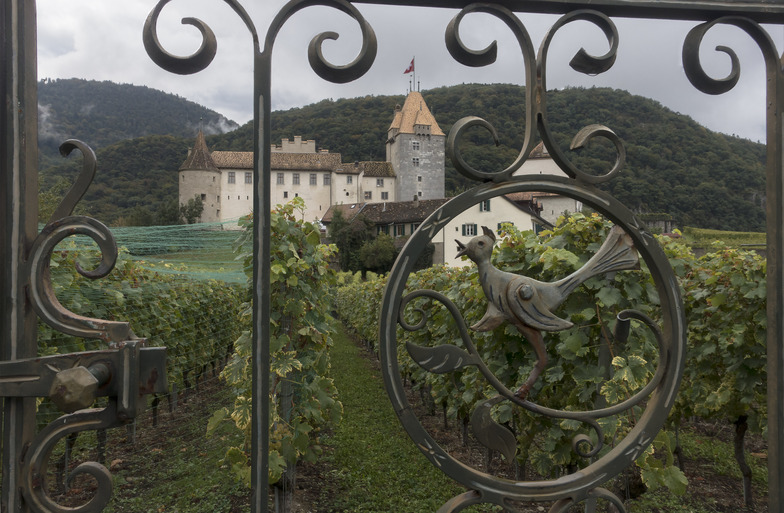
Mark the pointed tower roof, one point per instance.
(199, 158)
(414, 112)
(539, 152)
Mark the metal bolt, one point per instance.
(526, 292)
(74, 389)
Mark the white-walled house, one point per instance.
(553, 205)
(400, 220)
(468, 224)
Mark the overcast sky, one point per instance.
(101, 40)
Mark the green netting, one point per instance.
(197, 251)
(193, 251)
(180, 286)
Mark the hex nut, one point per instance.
(73, 389)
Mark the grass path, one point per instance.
(378, 468)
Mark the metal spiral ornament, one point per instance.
(36, 462)
(411, 310)
(73, 381)
(476, 58)
(656, 396)
(692, 65)
(535, 72)
(44, 300)
(201, 58)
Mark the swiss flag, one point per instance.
(410, 68)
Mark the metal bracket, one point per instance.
(73, 381)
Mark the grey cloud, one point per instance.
(649, 62)
(46, 128)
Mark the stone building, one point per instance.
(415, 146)
(414, 169)
(411, 178)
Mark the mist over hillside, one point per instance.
(104, 113)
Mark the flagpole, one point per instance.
(411, 69)
(413, 61)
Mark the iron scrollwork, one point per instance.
(261, 178)
(124, 372)
(655, 398)
(528, 304)
(658, 394)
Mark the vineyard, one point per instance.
(724, 379)
(204, 323)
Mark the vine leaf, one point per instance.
(490, 433)
(441, 359)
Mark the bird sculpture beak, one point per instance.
(461, 249)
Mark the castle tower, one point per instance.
(415, 147)
(199, 176)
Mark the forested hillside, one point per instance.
(675, 166)
(104, 113)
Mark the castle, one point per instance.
(395, 195)
(414, 169)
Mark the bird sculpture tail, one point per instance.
(616, 254)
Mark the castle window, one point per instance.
(213, 178)
(217, 198)
(469, 230)
(414, 145)
(203, 197)
(183, 178)
(248, 177)
(415, 161)
(281, 179)
(349, 179)
(327, 179)
(232, 178)
(313, 179)
(385, 195)
(295, 179)
(379, 182)
(419, 178)
(368, 195)
(484, 206)
(419, 194)
(285, 194)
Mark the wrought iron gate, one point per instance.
(126, 370)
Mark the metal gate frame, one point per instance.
(21, 245)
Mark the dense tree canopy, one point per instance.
(674, 165)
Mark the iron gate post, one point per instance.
(19, 211)
(261, 284)
(775, 288)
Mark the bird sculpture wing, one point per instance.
(528, 306)
(616, 254)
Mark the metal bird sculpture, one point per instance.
(528, 303)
